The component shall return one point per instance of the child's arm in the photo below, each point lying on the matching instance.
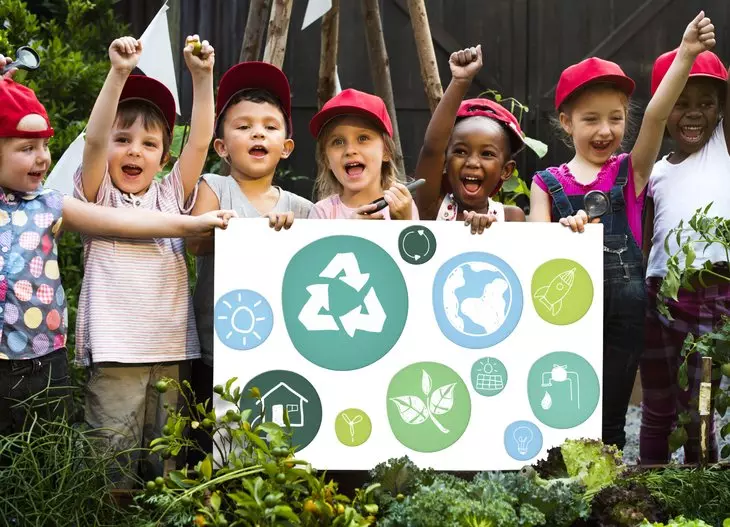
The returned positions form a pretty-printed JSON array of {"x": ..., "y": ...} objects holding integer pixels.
[
  {"x": 464, "y": 66},
  {"x": 192, "y": 158},
  {"x": 96, "y": 220},
  {"x": 648, "y": 229},
  {"x": 698, "y": 37},
  {"x": 539, "y": 204},
  {"x": 726, "y": 120},
  {"x": 400, "y": 202},
  {"x": 205, "y": 202},
  {"x": 124, "y": 55},
  {"x": 512, "y": 213}
]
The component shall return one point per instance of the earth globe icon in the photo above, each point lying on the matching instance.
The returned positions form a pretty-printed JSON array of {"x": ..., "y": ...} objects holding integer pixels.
[{"x": 477, "y": 300}]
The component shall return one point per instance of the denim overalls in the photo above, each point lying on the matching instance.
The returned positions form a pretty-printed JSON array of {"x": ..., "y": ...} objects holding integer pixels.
[{"x": 624, "y": 300}]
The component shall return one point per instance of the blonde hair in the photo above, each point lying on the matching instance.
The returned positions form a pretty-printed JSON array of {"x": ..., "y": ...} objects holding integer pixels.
[{"x": 326, "y": 183}]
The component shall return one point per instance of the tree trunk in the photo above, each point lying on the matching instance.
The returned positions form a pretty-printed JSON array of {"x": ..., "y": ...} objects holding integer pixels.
[
  {"x": 705, "y": 409},
  {"x": 328, "y": 54},
  {"x": 277, "y": 32},
  {"x": 253, "y": 38},
  {"x": 380, "y": 70},
  {"x": 426, "y": 54}
]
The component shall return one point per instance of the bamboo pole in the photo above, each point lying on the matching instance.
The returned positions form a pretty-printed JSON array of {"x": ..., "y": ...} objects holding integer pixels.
[
  {"x": 380, "y": 70},
  {"x": 705, "y": 409},
  {"x": 426, "y": 54},
  {"x": 328, "y": 54},
  {"x": 277, "y": 32},
  {"x": 253, "y": 38}
]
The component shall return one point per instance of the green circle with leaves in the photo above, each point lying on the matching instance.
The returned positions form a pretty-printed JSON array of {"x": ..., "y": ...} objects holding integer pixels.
[
  {"x": 353, "y": 427},
  {"x": 562, "y": 291},
  {"x": 428, "y": 406}
]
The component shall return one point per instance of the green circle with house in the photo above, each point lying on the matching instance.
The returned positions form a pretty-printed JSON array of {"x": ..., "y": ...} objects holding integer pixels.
[
  {"x": 562, "y": 291},
  {"x": 285, "y": 395},
  {"x": 345, "y": 302}
]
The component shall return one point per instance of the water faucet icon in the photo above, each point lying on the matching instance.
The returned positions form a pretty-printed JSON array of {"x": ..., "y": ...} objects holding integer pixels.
[{"x": 560, "y": 374}]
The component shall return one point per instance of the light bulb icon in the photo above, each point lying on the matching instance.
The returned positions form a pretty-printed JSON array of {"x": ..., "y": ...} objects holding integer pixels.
[{"x": 523, "y": 436}]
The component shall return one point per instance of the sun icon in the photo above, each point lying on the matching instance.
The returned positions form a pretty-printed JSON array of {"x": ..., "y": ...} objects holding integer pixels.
[{"x": 243, "y": 319}]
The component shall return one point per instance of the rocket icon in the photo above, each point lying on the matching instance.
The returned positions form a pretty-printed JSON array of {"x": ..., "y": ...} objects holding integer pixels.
[{"x": 552, "y": 295}]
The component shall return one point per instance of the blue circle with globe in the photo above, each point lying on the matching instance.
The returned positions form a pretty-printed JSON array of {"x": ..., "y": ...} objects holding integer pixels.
[
  {"x": 243, "y": 319},
  {"x": 477, "y": 299}
]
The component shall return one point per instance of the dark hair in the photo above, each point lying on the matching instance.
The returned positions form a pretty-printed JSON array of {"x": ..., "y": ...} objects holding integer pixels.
[
  {"x": 513, "y": 143},
  {"x": 258, "y": 96},
  {"x": 130, "y": 110}
]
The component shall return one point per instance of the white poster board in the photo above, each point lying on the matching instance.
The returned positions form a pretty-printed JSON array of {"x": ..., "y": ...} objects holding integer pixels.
[{"x": 390, "y": 338}]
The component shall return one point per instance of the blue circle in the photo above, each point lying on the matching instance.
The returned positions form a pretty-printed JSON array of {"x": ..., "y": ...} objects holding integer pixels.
[
  {"x": 17, "y": 341},
  {"x": 16, "y": 263},
  {"x": 243, "y": 319},
  {"x": 469, "y": 335},
  {"x": 522, "y": 440}
]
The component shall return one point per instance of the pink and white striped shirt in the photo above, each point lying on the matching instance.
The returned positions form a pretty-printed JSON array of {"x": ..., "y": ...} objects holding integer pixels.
[{"x": 135, "y": 304}]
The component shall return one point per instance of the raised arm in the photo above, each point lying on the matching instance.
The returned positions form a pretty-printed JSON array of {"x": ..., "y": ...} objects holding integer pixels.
[
  {"x": 205, "y": 202},
  {"x": 124, "y": 55},
  {"x": 698, "y": 37},
  {"x": 464, "y": 66},
  {"x": 192, "y": 158}
]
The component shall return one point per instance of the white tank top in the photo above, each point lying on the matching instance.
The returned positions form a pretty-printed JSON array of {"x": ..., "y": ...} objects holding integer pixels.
[{"x": 449, "y": 209}]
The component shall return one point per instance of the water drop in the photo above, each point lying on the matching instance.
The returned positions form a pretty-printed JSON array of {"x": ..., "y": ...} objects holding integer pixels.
[{"x": 546, "y": 402}]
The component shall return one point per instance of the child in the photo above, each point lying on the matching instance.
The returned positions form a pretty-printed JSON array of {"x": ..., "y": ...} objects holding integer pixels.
[
  {"x": 33, "y": 303},
  {"x": 135, "y": 317},
  {"x": 355, "y": 152},
  {"x": 701, "y": 149},
  {"x": 592, "y": 102},
  {"x": 253, "y": 133},
  {"x": 474, "y": 155}
]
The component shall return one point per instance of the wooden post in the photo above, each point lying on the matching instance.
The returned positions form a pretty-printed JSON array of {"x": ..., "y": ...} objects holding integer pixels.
[
  {"x": 277, "y": 32},
  {"x": 328, "y": 54},
  {"x": 426, "y": 54},
  {"x": 253, "y": 38},
  {"x": 705, "y": 409},
  {"x": 380, "y": 70}
]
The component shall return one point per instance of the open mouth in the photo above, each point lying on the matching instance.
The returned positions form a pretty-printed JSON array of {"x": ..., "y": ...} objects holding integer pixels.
[
  {"x": 354, "y": 169},
  {"x": 691, "y": 134},
  {"x": 471, "y": 184},
  {"x": 258, "y": 151},
  {"x": 36, "y": 174},
  {"x": 131, "y": 170},
  {"x": 601, "y": 146}
]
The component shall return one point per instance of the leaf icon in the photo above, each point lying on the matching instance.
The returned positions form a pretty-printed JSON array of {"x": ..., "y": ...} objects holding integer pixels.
[
  {"x": 426, "y": 383},
  {"x": 412, "y": 409},
  {"x": 442, "y": 399}
]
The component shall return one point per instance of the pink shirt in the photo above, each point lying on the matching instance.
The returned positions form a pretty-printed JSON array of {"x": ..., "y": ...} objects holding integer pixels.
[
  {"x": 604, "y": 181},
  {"x": 332, "y": 208}
]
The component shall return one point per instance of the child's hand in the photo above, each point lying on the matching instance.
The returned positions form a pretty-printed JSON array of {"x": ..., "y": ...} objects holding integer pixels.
[
  {"x": 478, "y": 221},
  {"x": 279, "y": 220},
  {"x": 206, "y": 223},
  {"x": 124, "y": 53},
  {"x": 199, "y": 56},
  {"x": 465, "y": 64},
  {"x": 4, "y": 61},
  {"x": 366, "y": 213},
  {"x": 400, "y": 202},
  {"x": 699, "y": 35},
  {"x": 578, "y": 221}
]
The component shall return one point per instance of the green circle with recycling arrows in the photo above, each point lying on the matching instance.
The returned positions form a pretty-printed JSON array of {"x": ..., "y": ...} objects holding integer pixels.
[
  {"x": 345, "y": 302},
  {"x": 416, "y": 244}
]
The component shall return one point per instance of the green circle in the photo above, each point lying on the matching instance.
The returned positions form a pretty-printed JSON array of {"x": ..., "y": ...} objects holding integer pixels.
[
  {"x": 416, "y": 244},
  {"x": 563, "y": 389},
  {"x": 287, "y": 392},
  {"x": 353, "y": 427},
  {"x": 428, "y": 406},
  {"x": 345, "y": 302},
  {"x": 488, "y": 376},
  {"x": 562, "y": 291}
]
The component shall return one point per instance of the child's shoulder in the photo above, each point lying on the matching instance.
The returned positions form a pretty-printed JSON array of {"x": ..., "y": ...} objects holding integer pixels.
[{"x": 297, "y": 204}]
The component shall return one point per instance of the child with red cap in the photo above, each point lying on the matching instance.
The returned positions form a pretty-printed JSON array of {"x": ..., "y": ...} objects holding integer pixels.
[
  {"x": 468, "y": 153},
  {"x": 355, "y": 160},
  {"x": 32, "y": 299},
  {"x": 135, "y": 320},
  {"x": 592, "y": 102},
  {"x": 701, "y": 140}
]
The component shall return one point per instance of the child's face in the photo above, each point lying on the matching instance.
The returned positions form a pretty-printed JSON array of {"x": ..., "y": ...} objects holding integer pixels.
[
  {"x": 135, "y": 156},
  {"x": 23, "y": 163},
  {"x": 355, "y": 153},
  {"x": 695, "y": 115},
  {"x": 254, "y": 139},
  {"x": 477, "y": 159},
  {"x": 596, "y": 123}
]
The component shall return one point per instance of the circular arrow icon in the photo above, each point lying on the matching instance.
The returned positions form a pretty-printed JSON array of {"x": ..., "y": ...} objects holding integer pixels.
[{"x": 416, "y": 244}]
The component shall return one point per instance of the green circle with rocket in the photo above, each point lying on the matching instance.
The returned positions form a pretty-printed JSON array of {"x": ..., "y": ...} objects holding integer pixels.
[{"x": 562, "y": 291}]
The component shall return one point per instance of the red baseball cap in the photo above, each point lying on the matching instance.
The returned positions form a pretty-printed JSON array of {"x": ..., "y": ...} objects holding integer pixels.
[
  {"x": 254, "y": 75},
  {"x": 17, "y": 101},
  {"x": 707, "y": 64},
  {"x": 154, "y": 92},
  {"x": 587, "y": 72},
  {"x": 349, "y": 102},
  {"x": 494, "y": 110}
]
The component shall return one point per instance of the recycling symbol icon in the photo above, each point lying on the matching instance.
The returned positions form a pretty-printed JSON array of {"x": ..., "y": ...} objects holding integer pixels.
[{"x": 314, "y": 315}]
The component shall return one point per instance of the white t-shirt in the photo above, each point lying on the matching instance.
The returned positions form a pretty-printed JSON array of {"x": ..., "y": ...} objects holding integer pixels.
[{"x": 679, "y": 190}]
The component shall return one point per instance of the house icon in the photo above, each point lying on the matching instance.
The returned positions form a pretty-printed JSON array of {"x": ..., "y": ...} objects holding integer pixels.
[{"x": 282, "y": 397}]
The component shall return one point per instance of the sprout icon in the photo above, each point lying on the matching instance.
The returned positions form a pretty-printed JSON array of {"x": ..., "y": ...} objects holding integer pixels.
[{"x": 523, "y": 436}]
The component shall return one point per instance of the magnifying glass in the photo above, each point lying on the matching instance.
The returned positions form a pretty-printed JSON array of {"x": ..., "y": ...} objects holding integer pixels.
[
  {"x": 596, "y": 204},
  {"x": 25, "y": 59}
]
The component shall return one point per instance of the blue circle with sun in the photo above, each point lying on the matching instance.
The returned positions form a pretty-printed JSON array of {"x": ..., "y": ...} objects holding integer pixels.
[{"x": 243, "y": 319}]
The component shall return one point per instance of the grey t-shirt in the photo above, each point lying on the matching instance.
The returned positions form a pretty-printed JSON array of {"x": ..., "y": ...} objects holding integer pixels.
[{"x": 231, "y": 197}]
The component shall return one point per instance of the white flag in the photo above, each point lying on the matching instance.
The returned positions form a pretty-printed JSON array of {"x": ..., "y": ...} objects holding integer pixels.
[
  {"x": 61, "y": 177},
  {"x": 156, "y": 60},
  {"x": 315, "y": 10},
  {"x": 338, "y": 86}
]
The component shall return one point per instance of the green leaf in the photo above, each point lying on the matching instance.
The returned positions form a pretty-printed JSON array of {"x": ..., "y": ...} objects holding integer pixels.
[
  {"x": 682, "y": 376},
  {"x": 725, "y": 430},
  {"x": 215, "y": 501},
  {"x": 677, "y": 438},
  {"x": 536, "y": 146},
  {"x": 230, "y": 383},
  {"x": 684, "y": 418},
  {"x": 284, "y": 511},
  {"x": 206, "y": 467},
  {"x": 725, "y": 452}
]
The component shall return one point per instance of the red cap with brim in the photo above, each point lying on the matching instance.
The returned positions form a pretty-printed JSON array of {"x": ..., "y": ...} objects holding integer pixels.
[
  {"x": 16, "y": 102},
  {"x": 352, "y": 102},
  {"x": 154, "y": 92},
  {"x": 494, "y": 110},
  {"x": 707, "y": 64},
  {"x": 254, "y": 76},
  {"x": 590, "y": 71}
]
